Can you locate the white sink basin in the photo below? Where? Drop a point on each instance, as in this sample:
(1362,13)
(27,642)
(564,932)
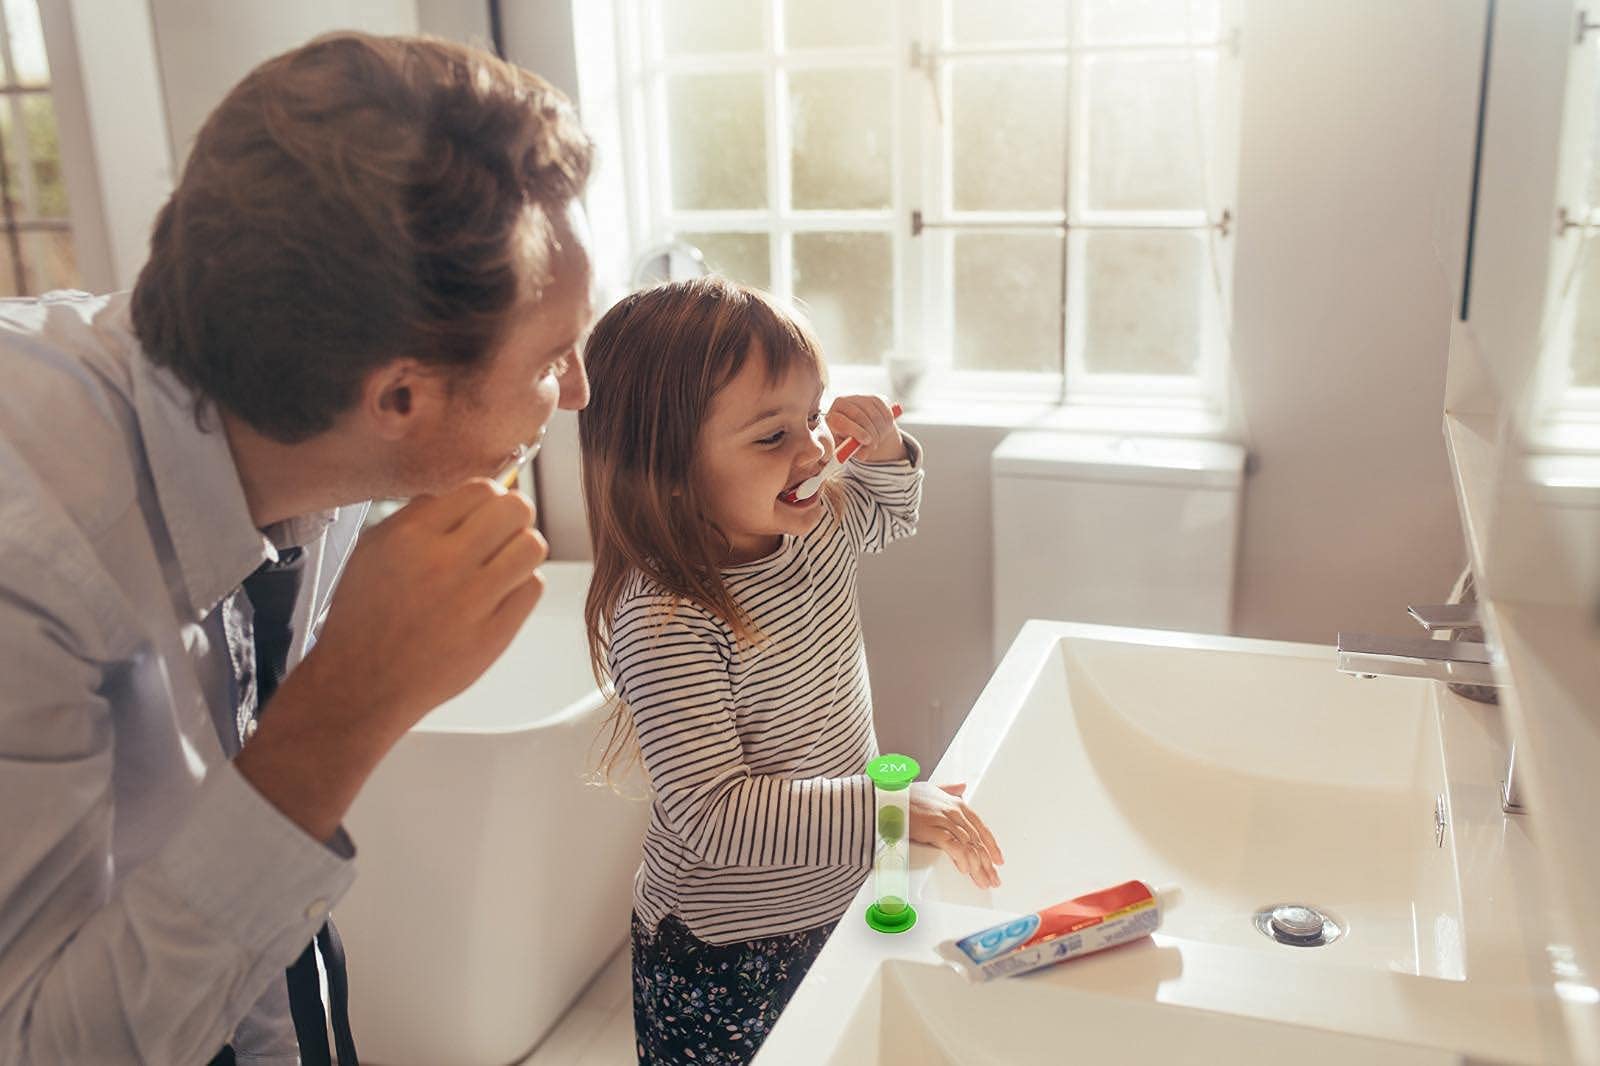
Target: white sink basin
(1249,773)
(926,1014)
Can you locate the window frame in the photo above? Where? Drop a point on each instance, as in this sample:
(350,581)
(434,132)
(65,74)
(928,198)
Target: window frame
(24,215)
(920,184)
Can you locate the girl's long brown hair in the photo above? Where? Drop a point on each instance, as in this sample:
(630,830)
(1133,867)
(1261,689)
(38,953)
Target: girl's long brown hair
(655,360)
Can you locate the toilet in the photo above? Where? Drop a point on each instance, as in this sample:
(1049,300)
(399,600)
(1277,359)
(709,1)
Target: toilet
(1117,530)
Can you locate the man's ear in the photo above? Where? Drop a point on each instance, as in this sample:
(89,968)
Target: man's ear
(400,395)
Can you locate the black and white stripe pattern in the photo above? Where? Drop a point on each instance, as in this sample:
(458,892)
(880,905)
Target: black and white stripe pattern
(762,816)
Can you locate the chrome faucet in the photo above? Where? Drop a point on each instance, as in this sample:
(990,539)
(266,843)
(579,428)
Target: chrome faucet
(1459,661)
(1462,661)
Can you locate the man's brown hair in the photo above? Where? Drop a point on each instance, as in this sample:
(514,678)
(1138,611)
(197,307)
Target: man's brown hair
(350,202)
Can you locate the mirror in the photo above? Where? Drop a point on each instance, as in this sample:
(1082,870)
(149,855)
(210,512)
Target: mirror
(1527,368)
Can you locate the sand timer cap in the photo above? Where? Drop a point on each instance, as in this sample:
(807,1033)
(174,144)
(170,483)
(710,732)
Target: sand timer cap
(893,772)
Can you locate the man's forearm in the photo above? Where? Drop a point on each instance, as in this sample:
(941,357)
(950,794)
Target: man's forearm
(316,746)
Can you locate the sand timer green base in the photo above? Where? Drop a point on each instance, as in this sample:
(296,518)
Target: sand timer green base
(891,910)
(904,918)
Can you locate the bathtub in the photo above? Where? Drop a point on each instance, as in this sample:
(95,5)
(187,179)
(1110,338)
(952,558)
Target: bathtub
(493,882)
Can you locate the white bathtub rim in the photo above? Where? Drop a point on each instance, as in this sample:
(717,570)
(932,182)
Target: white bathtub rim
(569,714)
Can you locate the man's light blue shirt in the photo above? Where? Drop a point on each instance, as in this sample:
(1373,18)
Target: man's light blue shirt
(150,898)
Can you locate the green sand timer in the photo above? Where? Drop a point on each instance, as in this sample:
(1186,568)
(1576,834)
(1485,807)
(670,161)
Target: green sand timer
(891,910)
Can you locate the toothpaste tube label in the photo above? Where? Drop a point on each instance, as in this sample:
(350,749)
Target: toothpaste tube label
(998,940)
(1067,930)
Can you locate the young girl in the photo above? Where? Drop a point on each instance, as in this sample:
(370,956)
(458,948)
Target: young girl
(725,619)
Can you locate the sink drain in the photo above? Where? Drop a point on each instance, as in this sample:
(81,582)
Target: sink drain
(1299,925)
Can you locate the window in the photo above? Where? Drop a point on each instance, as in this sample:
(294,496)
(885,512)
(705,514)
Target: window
(1030,196)
(38,252)
(1567,400)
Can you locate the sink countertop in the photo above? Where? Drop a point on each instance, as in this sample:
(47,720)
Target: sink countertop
(1502,1011)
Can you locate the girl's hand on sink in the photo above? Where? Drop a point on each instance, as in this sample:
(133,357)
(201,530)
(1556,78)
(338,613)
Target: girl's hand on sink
(939,816)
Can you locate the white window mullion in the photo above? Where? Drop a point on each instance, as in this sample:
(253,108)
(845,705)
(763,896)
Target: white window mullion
(836,221)
(657,131)
(1074,253)
(1220,155)
(838,58)
(905,290)
(781,244)
(719,221)
(720,63)
(938,189)
(639,175)
(739,221)
(657,122)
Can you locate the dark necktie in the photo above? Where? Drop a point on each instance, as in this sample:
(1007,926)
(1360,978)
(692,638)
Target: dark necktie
(273,590)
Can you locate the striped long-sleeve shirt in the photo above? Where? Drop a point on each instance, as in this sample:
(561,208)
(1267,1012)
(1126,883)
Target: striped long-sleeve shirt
(761,822)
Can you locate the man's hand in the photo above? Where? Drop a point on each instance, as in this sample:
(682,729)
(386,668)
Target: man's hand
(428,600)
(432,596)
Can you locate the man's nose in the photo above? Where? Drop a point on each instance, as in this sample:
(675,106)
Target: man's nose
(574,386)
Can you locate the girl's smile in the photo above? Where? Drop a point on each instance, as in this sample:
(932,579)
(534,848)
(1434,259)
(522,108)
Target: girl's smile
(760,439)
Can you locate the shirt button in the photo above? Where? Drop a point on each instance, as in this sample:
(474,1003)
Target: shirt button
(318,910)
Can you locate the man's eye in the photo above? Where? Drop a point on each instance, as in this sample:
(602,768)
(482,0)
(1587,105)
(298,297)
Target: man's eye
(816,416)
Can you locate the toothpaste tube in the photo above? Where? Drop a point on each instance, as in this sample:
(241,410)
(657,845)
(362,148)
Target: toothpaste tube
(1077,927)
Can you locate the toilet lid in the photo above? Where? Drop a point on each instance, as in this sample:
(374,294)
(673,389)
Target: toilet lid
(1064,456)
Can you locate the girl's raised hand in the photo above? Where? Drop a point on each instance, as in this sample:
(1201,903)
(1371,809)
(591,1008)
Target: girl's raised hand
(939,816)
(869,420)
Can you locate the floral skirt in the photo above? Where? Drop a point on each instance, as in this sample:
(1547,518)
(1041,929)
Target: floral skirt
(695,1002)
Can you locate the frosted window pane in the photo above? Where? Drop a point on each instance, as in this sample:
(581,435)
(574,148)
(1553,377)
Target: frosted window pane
(845,283)
(1008,301)
(49,189)
(27,42)
(710,26)
(718,135)
(840,125)
(992,21)
(51,262)
(1143,293)
(740,256)
(1148,21)
(1592,186)
(1586,319)
(831,23)
(1009,136)
(1585,338)
(1586,366)
(1144,137)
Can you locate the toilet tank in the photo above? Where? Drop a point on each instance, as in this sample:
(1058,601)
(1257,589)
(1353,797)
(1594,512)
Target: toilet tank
(1136,531)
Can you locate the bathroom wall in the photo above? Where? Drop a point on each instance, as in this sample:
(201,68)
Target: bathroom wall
(132,84)
(206,46)
(1348,242)
(1341,307)
(1342,313)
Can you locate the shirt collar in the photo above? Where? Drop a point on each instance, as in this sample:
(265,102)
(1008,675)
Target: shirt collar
(203,504)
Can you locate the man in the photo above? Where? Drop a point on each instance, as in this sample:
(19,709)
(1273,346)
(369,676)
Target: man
(371,282)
